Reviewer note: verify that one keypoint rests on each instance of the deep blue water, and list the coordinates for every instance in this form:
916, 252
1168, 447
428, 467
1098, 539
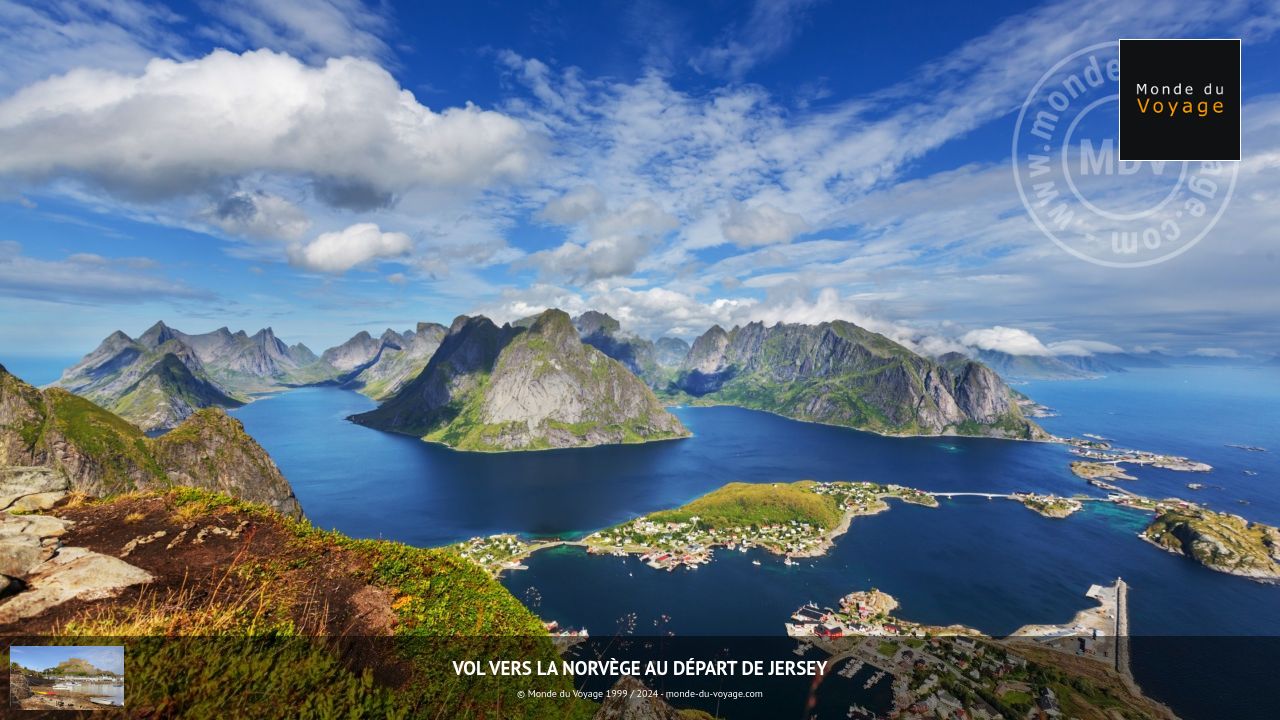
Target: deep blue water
989, 564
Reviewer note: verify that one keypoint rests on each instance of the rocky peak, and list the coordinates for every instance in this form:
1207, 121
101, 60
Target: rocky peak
157, 335
707, 354
592, 322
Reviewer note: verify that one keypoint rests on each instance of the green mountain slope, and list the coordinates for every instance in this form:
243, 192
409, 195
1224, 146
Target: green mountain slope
841, 374
98, 453
516, 388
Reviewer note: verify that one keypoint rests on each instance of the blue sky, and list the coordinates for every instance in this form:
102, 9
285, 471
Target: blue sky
330, 166
43, 657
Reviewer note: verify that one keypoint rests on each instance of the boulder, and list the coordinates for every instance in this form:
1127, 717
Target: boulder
72, 574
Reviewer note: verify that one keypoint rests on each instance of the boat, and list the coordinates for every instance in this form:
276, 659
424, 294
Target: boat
755, 562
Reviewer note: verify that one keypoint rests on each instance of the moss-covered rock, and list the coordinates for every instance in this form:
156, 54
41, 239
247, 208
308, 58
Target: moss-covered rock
1219, 541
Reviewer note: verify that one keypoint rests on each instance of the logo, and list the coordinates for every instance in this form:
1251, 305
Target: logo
1069, 175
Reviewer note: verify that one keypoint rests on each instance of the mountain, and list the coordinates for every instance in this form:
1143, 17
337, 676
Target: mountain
650, 361
670, 351
379, 368
841, 374
518, 388
56, 441
165, 375
154, 382
1036, 367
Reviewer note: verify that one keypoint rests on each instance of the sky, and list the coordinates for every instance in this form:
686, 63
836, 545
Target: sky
43, 657
332, 166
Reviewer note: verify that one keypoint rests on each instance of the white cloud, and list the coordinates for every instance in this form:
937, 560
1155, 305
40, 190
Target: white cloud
574, 206
186, 127
258, 215
338, 252
85, 278
1083, 348
607, 243
1005, 339
1216, 352
770, 28
762, 224
314, 30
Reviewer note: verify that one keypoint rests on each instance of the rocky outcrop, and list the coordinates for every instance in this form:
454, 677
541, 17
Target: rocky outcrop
839, 373
211, 450
26, 489
634, 701
70, 573
516, 388
53, 442
1219, 541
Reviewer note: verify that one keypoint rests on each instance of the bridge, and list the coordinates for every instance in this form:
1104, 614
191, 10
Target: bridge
989, 496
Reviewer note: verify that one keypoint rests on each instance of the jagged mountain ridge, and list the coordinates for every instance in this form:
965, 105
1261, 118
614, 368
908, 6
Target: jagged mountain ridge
523, 388
379, 368
838, 373
165, 375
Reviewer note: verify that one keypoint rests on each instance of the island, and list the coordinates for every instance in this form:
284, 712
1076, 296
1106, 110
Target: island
1094, 470
799, 519
1050, 506
1219, 541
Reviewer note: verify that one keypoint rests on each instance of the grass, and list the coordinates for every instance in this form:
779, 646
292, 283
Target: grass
251, 642
756, 504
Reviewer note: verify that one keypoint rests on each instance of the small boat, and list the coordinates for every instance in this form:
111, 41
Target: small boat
755, 562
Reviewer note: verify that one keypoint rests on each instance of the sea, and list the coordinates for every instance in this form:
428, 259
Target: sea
1205, 643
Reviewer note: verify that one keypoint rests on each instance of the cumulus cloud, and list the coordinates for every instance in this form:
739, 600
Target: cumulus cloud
608, 243
258, 215
184, 127
574, 206
1005, 339
340, 251
762, 224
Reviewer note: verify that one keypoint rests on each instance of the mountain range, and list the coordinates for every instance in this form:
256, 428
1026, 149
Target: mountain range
842, 374
542, 381
523, 387
379, 368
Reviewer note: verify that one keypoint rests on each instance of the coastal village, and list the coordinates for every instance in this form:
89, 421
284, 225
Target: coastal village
957, 672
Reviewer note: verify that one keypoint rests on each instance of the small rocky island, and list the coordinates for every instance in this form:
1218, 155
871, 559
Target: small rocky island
1219, 541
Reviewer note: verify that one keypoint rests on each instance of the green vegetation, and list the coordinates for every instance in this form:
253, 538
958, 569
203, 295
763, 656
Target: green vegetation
757, 504
1220, 541
253, 643
119, 449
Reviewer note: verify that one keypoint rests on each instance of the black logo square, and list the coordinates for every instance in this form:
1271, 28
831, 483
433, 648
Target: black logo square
1179, 100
